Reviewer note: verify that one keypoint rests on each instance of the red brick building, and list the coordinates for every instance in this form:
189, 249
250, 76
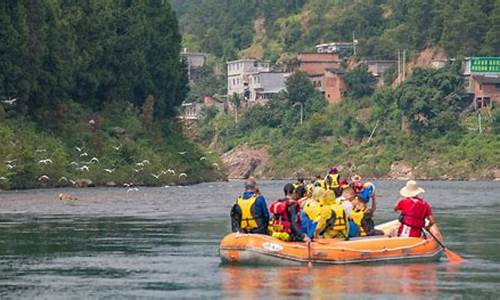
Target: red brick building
482, 80
325, 72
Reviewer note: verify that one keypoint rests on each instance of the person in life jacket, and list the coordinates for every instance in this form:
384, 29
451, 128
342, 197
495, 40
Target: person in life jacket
414, 211
356, 183
300, 187
249, 214
311, 211
361, 215
333, 222
285, 221
331, 181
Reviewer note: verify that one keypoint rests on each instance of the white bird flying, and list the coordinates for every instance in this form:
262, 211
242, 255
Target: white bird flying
10, 161
84, 154
133, 189
74, 163
43, 177
171, 171
182, 175
40, 150
182, 153
117, 148
146, 162
94, 159
216, 165
45, 161
78, 149
126, 185
203, 158
63, 179
9, 101
3, 178
139, 164
109, 170
72, 181
138, 170
84, 168
11, 166
156, 176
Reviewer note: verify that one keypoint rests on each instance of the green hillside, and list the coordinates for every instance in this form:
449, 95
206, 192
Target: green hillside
276, 29
92, 75
426, 123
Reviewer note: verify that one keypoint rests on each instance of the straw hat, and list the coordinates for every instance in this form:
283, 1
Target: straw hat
411, 189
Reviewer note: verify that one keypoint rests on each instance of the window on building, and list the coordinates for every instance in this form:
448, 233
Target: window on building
486, 101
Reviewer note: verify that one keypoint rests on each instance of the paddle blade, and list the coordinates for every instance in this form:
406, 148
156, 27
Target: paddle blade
452, 256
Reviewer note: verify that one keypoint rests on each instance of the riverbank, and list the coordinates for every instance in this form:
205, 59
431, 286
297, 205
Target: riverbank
245, 160
110, 148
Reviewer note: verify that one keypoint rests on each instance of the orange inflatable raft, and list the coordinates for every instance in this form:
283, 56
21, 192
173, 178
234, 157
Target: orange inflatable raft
238, 248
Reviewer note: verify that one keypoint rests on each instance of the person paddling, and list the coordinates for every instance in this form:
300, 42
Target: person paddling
413, 211
249, 214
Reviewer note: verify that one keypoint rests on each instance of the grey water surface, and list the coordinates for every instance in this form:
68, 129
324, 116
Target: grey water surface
163, 243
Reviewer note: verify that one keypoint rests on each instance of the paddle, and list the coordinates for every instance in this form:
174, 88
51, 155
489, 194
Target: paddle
309, 263
452, 256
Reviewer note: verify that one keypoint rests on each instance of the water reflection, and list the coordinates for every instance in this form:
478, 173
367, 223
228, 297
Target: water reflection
321, 282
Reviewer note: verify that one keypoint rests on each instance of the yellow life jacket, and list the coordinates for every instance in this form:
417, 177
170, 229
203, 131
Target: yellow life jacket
247, 218
334, 184
313, 210
357, 216
340, 226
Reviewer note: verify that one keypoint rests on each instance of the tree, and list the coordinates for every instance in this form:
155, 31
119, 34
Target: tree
359, 82
492, 39
299, 87
433, 99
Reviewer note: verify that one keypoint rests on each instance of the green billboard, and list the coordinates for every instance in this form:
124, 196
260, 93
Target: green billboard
485, 64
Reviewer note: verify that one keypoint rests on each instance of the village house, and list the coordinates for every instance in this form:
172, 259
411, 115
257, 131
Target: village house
254, 80
325, 72
194, 61
378, 68
482, 80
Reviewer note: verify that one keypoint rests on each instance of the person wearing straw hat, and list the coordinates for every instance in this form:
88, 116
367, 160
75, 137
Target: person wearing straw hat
413, 211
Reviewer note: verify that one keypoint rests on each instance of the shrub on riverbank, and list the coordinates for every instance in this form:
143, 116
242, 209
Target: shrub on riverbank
112, 146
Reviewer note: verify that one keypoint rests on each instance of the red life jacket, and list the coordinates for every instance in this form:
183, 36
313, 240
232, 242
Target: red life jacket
281, 221
357, 187
415, 216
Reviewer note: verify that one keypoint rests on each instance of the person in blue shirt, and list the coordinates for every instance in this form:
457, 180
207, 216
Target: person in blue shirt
250, 214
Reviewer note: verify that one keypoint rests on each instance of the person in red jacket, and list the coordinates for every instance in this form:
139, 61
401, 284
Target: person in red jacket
413, 211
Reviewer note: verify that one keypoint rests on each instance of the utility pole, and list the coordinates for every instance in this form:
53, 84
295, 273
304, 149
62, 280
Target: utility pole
404, 64
399, 66
301, 111
354, 42
479, 121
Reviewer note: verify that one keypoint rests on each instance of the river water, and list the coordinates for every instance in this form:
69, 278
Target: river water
163, 243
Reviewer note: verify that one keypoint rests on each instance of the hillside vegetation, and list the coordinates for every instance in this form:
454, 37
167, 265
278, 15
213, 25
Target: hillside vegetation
424, 123
89, 79
281, 28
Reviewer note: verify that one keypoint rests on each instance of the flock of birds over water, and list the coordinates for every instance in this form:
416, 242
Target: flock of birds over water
86, 164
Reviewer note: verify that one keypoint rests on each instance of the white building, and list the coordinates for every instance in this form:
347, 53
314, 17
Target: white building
253, 79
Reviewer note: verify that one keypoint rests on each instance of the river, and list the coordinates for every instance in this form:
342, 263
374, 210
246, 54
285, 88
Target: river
163, 243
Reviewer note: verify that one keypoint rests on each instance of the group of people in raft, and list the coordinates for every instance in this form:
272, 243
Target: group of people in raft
329, 207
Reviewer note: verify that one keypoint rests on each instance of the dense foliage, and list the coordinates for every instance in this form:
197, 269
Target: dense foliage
223, 28
368, 134
92, 52
89, 90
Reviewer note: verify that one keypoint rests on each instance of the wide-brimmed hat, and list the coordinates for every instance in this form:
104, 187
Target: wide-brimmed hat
355, 178
411, 189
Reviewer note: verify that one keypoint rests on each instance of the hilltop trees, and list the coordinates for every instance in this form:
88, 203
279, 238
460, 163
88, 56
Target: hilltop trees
91, 52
